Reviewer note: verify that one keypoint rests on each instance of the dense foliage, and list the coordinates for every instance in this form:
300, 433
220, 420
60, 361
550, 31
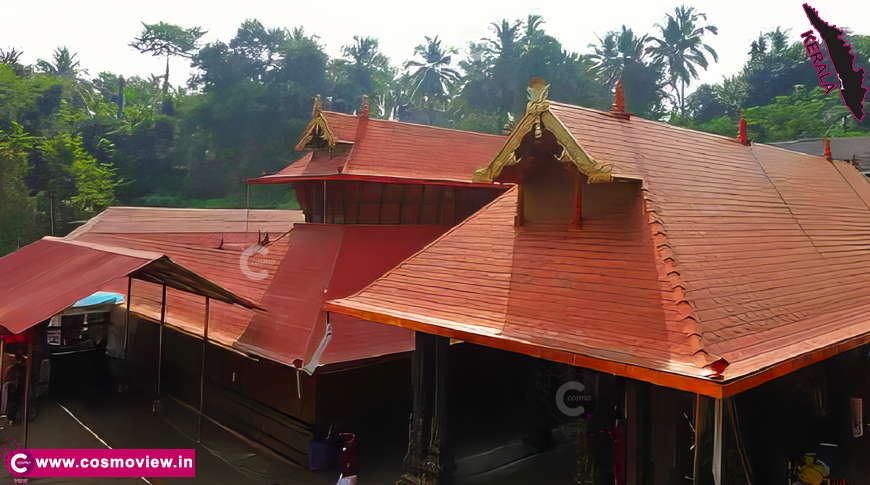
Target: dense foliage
72, 144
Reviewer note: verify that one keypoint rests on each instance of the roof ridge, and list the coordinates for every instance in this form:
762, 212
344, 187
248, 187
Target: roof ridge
408, 123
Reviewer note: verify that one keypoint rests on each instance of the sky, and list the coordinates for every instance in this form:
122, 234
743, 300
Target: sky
100, 30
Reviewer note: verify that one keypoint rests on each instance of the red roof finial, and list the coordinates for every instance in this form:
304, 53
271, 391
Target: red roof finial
364, 109
618, 98
828, 149
742, 136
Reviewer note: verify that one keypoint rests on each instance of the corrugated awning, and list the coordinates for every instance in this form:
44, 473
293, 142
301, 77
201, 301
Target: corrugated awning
44, 278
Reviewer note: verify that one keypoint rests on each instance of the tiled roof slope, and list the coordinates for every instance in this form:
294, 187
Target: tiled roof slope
395, 150
299, 269
755, 255
326, 261
210, 242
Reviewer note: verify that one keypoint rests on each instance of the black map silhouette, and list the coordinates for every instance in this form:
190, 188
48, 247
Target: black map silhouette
851, 81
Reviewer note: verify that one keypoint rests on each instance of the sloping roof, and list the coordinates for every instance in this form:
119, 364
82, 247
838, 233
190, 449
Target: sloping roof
331, 261
392, 151
289, 276
716, 250
851, 148
43, 278
211, 242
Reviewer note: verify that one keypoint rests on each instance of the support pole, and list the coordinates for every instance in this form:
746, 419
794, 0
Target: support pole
2, 364
27, 382
160, 349
202, 374
717, 443
324, 202
122, 387
247, 205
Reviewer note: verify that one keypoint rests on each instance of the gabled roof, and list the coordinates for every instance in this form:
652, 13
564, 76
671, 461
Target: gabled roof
302, 264
211, 242
700, 254
44, 278
324, 261
374, 149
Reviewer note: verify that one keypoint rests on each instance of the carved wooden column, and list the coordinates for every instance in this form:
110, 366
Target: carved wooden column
428, 461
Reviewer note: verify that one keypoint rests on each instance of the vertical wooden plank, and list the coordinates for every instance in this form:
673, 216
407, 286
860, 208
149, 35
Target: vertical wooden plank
518, 220
578, 199
202, 373
27, 382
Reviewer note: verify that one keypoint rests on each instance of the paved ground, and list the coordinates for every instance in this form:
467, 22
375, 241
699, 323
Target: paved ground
221, 458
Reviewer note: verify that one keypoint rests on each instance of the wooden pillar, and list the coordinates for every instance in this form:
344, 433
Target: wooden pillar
202, 374
160, 349
717, 442
27, 381
578, 199
520, 217
122, 387
429, 460
2, 363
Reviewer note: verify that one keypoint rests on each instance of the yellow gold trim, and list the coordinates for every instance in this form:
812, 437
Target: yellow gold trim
311, 131
538, 113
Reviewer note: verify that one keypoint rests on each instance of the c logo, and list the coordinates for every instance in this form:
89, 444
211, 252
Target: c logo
560, 399
243, 263
21, 463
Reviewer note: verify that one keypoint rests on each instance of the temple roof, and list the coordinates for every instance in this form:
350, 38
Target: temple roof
701, 264
296, 267
381, 150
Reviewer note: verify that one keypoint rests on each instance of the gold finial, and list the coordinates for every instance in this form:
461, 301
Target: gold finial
364, 109
619, 97
538, 90
318, 106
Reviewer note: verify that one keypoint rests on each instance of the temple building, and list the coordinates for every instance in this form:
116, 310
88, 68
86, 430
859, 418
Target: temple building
646, 304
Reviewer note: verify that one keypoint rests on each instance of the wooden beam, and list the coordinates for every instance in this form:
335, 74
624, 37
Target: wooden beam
697, 385
28, 379
202, 373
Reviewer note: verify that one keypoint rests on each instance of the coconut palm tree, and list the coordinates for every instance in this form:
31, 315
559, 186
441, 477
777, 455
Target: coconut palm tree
681, 48
63, 64
614, 51
434, 78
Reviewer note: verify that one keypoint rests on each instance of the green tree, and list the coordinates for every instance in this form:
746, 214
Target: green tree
364, 70
433, 76
167, 40
18, 215
680, 47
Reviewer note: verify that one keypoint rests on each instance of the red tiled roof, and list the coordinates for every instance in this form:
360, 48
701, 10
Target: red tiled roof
395, 150
755, 255
193, 237
44, 278
296, 269
343, 126
331, 261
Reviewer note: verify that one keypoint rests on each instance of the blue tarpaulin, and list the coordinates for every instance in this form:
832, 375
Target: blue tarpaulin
99, 298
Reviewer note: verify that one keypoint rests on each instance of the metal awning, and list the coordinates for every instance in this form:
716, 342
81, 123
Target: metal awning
44, 278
